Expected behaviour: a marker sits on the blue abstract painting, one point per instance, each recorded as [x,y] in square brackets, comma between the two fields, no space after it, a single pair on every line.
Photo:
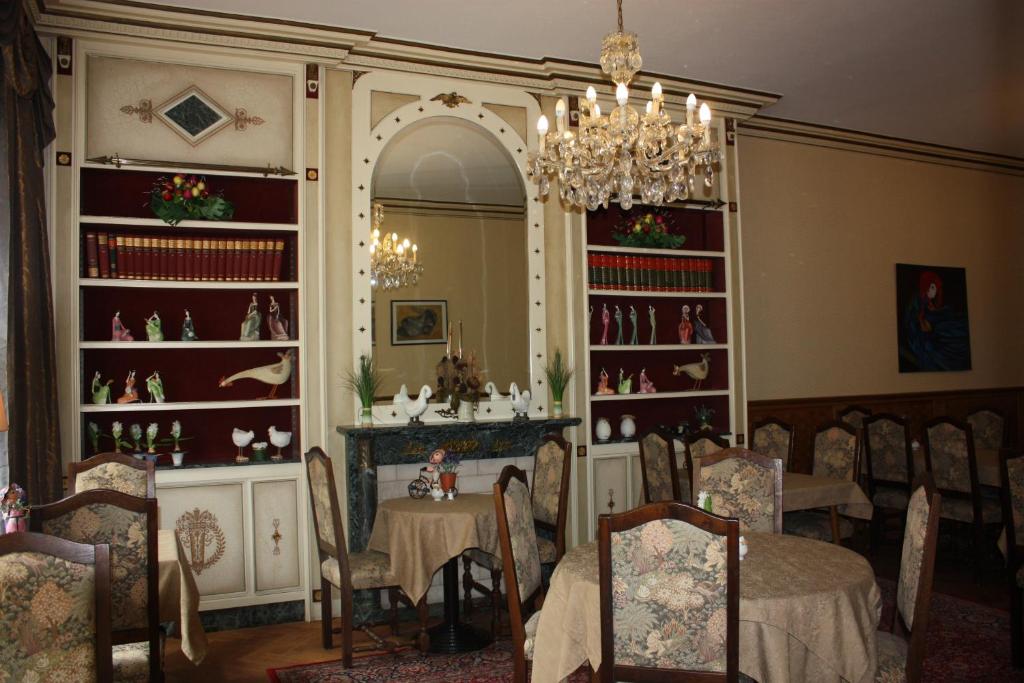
[931,311]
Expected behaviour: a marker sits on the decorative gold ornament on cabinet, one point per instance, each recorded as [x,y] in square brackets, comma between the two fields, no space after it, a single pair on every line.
[118,161]
[450,99]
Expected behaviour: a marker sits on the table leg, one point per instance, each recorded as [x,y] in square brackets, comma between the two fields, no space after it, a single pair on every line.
[451,636]
[833,514]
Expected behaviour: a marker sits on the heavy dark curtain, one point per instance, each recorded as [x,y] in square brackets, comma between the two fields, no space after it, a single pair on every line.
[34,437]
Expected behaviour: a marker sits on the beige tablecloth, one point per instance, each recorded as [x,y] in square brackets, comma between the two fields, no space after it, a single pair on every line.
[179,596]
[421,535]
[808,612]
[806,492]
[988,465]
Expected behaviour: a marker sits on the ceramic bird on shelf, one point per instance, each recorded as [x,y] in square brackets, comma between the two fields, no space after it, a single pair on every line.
[491,389]
[698,372]
[415,408]
[279,439]
[274,374]
[242,439]
[520,402]
[401,397]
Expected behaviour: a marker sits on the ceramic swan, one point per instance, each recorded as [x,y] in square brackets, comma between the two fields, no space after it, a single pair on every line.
[492,392]
[520,401]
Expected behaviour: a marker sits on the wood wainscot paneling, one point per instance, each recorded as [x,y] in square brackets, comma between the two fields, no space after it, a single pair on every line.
[807,413]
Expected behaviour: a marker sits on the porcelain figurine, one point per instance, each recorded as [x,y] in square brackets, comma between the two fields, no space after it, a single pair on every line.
[116,429]
[654,332]
[646,385]
[590,316]
[416,407]
[100,391]
[520,402]
[155,387]
[154,328]
[251,323]
[698,372]
[14,508]
[602,384]
[118,332]
[277,325]
[491,389]
[135,432]
[633,321]
[704,416]
[436,493]
[701,331]
[94,437]
[685,327]
[603,429]
[241,439]
[259,451]
[188,328]
[152,430]
[627,426]
[606,320]
[625,384]
[280,440]
[131,394]
[618,324]
[274,374]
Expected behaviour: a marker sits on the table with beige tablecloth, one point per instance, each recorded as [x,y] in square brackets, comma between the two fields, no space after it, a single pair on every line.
[807,492]
[179,596]
[808,612]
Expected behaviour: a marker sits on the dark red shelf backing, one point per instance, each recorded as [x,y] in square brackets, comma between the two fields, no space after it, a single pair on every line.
[112,192]
[188,375]
[217,314]
[702,228]
[653,412]
[211,430]
[659,366]
[667,315]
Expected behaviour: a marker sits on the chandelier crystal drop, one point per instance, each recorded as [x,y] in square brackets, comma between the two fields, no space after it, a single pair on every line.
[625,152]
[394,263]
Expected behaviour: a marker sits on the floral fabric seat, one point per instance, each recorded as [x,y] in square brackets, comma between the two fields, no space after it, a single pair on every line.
[892,658]
[987,427]
[774,439]
[369,569]
[835,456]
[545,550]
[745,485]
[961,510]
[113,476]
[530,627]
[131,662]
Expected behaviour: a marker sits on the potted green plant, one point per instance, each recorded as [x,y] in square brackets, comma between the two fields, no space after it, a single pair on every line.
[558,374]
[177,455]
[365,381]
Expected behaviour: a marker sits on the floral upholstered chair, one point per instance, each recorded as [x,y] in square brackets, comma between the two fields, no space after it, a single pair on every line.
[854,415]
[669,578]
[745,485]
[520,562]
[128,524]
[889,464]
[658,468]
[696,446]
[349,571]
[902,659]
[54,609]
[988,428]
[774,438]
[836,450]
[1012,470]
[113,471]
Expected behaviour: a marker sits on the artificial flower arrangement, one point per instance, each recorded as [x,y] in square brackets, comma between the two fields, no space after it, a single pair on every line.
[652,229]
[443,462]
[182,197]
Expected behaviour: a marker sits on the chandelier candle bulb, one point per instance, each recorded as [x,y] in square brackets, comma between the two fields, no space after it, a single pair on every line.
[542,130]
[655,98]
[705,120]
[560,114]
[691,107]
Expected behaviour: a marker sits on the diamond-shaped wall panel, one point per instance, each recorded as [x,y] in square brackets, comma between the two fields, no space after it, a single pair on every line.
[193,115]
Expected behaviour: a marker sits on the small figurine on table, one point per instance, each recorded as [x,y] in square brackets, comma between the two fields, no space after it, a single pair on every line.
[646,385]
[188,328]
[654,333]
[277,325]
[118,332]
[100,391]
[14,508]
[251,323]
[155,387]
[602,384]
[154,328]
[685,327]
[700,328]
[632,321]
[618,323]
[131,394]
[606,320]
[625,383]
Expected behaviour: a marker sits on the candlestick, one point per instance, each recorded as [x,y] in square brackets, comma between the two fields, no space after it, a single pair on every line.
[460,339]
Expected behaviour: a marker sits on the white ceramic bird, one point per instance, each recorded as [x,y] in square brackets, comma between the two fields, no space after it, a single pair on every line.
[415,408]
[279,439]
[520,401]
[401,397]
[698,372]
[242,439]
[274,374]
[491,389]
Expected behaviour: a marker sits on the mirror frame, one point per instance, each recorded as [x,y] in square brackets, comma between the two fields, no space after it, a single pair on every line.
[367,144]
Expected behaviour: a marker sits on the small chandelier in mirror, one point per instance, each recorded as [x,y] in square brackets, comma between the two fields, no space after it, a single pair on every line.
[394,262]
[624,153]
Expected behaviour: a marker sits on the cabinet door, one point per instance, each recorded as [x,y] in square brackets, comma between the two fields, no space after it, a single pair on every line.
[209,522]
[610,485]
[275,534]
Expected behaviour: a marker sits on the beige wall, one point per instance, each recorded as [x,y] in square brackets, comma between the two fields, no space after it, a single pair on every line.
[822,231]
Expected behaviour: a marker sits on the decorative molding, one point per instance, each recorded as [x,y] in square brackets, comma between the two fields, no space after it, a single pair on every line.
[63,158]
[356,75]
[312,174]
[144,110]
[197,530]
[276,536]
[243,119]
[65,50]
[312,81]
[450,99]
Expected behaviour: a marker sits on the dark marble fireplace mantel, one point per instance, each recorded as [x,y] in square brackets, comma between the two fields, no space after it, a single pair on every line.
[368,447]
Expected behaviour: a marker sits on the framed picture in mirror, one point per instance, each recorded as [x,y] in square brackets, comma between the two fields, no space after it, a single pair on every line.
[419,322]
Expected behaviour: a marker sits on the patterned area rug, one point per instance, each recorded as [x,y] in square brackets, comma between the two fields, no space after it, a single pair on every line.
[966,642]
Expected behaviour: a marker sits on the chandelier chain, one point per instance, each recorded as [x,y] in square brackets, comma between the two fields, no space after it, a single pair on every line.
[619,8]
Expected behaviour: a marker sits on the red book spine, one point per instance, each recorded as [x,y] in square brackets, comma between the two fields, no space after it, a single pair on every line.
[267,266]
[232,273]
[146,257]
[261,252]
[115,261]
[163,263]
[204,261]
[92,263]
[179,259]
[677,275]
[104,254]
[664,274]
[278,259]
[250,264]
[186,259]
[222,261]
[126,247]
[197,259]
[628,267]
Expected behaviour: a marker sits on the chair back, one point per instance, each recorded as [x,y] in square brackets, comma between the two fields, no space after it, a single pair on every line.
[917,566]
[1012,471]
[949,455]
[988,426]
[330,538]
[113,471]
[699,445]
[745,485]
[889,456]
[854,415]
[669,581]
[658,467]
[774,438]
[836,448]
[129,525]
[550,496]
[54,609]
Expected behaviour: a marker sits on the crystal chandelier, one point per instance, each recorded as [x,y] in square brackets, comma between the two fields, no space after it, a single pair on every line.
[624,153]
[393,262]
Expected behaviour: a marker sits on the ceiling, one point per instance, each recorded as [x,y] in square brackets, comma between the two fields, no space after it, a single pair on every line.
[948,72]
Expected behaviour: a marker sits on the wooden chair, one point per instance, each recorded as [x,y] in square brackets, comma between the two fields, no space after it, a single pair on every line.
[129,525]
[759,477]
[113,471]
[774,438]
[349,572]
[1012,471]
[70,638]
[552,464]
[889,463]
[854,415]
[836,451]
[949,457]
[704,646]
[989,427]
[658,468]
[520,563]
[902,659]
[697,445]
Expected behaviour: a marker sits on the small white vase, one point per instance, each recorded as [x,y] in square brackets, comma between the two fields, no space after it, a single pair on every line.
[627,426]
[366,417]
[556,410]
[603,429]
[467,411]
[177,457]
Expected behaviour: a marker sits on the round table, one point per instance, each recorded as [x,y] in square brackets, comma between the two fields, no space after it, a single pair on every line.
[423,535]
[808,612]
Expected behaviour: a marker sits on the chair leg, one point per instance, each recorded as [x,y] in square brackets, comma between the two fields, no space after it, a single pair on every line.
[423,612]
[325,613]
[495,601]
[979,545]
[393,609]
[346,631]
[833,514]
[467,585]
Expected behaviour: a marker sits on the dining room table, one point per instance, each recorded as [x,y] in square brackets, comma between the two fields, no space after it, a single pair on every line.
[422,535]
[808,612]
[179,595]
